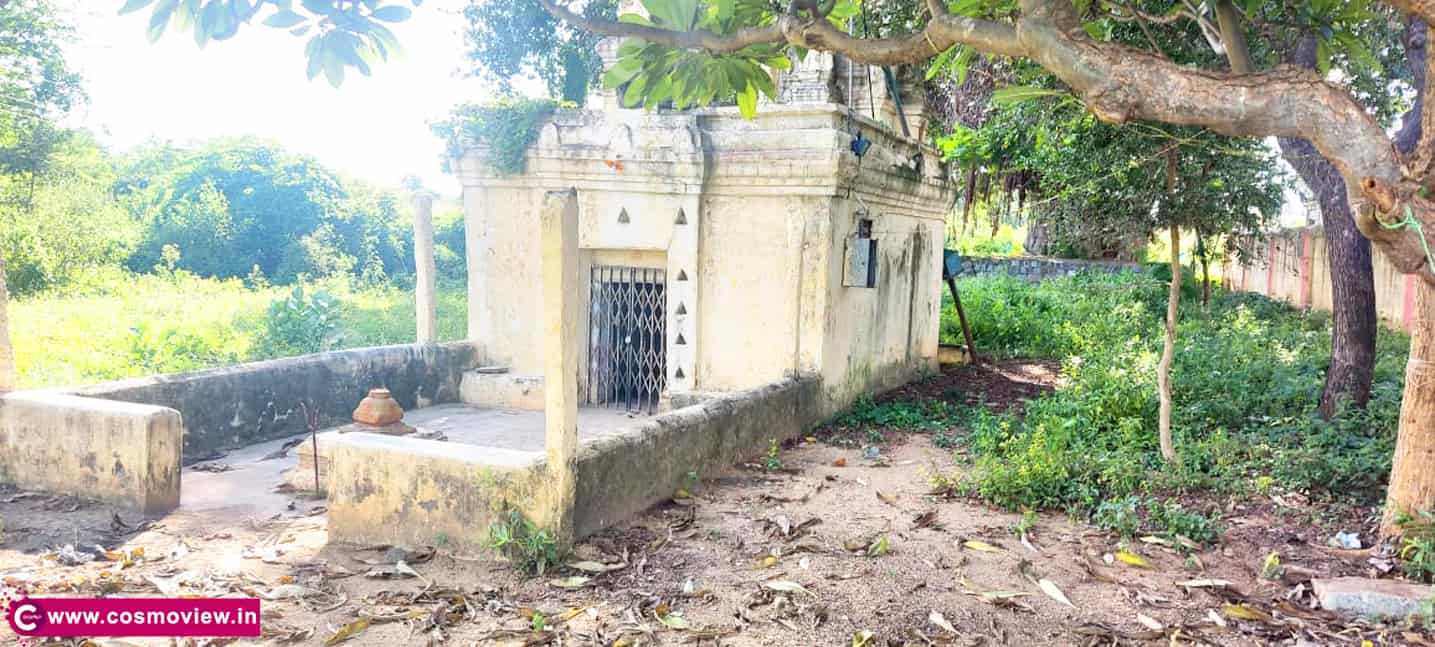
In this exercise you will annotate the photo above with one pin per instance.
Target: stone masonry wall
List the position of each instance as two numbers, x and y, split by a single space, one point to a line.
235 406
1037 268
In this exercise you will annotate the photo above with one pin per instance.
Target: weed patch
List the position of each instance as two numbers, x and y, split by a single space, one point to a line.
1247 376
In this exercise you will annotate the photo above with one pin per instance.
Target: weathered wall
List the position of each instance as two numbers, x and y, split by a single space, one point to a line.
749 218
118 452
750 286
1294 266
231 407
629 472
1036 268
880 338
389 489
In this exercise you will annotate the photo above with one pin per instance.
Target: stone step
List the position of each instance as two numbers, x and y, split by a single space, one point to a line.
499 389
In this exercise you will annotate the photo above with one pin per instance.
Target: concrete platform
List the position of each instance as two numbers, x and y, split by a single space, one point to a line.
515 429
517 432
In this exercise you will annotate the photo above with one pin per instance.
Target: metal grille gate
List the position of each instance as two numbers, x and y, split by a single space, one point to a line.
627 352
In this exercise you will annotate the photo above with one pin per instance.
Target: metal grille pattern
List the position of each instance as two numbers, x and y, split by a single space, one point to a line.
627 354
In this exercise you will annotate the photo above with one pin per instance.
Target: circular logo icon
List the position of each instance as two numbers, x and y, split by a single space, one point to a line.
25 617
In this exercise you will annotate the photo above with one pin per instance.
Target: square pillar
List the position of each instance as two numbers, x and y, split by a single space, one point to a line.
425 313
562 293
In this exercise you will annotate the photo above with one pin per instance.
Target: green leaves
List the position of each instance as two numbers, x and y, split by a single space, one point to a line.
134 5
651 75
1018 93
391 13
347 37
283 19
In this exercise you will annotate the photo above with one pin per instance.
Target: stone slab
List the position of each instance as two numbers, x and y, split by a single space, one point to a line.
1371 597
502 390
118 452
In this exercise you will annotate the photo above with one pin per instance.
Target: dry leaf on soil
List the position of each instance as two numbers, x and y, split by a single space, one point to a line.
973 544
1150 623
786 586
347 631
1052 591
1132 559
941 622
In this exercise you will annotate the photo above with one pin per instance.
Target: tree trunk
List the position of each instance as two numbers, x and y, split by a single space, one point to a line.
1412 479
1204 254
1352 277
1163 372
7 355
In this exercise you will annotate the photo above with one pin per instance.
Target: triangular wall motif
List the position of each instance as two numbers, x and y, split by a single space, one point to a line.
682 218
679 374
681 341
623 216
682 276
682 309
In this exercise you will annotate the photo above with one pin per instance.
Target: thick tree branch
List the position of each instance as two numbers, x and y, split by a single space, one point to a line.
942 32
1422 9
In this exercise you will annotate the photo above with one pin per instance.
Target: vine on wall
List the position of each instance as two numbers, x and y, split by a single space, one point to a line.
506 129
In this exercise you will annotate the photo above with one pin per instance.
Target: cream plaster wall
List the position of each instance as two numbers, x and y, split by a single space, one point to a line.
755 215
882 337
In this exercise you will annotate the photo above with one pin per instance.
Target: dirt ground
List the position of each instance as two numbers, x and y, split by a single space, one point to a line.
833 544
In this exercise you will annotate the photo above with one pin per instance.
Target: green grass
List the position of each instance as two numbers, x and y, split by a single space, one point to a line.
1246 376
114 325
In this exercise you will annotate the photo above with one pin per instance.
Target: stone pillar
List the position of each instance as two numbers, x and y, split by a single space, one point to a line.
682 298
475 233
425 313
562 292
7 355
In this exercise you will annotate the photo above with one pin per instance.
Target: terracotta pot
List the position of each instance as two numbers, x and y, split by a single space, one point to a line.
378 409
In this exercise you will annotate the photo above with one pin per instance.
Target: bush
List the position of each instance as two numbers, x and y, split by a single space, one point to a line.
299 323
1247 375
157 349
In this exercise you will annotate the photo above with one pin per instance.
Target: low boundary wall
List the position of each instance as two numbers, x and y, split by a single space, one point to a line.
1294 266
234 406
404 490
1037 268
117 452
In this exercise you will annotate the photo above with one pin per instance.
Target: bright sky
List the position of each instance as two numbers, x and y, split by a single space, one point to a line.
374 128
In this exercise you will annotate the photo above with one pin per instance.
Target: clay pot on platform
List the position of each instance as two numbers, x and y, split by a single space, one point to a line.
379 409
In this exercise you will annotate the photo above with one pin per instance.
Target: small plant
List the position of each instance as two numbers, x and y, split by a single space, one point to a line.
158 349
299 323
530 548
1417 545
1024 525
771 461
1119 516
1271 568
539 623
1176 521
